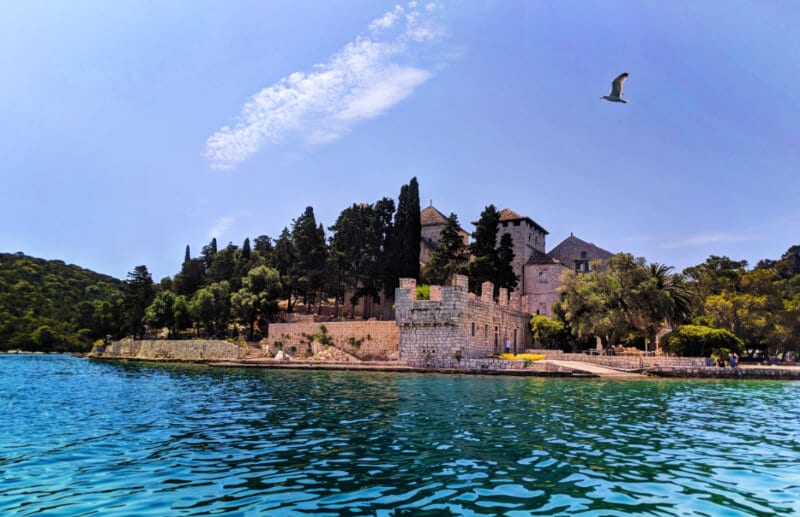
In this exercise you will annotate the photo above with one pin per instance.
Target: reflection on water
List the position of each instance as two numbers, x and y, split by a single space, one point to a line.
81 437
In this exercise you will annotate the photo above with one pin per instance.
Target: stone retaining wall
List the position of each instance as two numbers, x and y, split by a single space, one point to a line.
170 350
624 361
366 340
714 372
490 364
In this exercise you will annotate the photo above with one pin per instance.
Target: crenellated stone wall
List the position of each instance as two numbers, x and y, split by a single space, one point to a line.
170 350
366 340
455 326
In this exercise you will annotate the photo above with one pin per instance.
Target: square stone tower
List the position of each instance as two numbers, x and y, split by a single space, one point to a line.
528 237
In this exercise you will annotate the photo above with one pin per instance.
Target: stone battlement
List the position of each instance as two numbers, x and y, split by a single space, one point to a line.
454 325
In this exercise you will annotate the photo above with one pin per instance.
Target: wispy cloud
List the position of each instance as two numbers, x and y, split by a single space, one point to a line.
360 82
709 238
221 226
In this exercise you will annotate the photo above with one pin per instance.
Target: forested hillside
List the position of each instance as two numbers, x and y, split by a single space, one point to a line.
47 305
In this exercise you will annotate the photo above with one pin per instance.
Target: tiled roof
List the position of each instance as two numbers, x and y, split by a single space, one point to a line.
568 250
541 258
430 216
507 214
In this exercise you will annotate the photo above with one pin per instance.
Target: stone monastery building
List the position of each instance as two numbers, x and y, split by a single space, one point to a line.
538 270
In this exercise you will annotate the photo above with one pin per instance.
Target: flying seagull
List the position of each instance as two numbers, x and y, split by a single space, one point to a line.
615 95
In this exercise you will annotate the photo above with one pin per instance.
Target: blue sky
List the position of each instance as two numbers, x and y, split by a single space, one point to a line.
130 129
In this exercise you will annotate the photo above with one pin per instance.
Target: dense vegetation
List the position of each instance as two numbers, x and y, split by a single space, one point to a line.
51 306
719 304
47 305
223 289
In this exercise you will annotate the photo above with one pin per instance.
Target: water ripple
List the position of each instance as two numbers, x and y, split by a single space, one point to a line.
86 438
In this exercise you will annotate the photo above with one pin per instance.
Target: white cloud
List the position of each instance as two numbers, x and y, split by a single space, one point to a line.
360 82
221 226
387 21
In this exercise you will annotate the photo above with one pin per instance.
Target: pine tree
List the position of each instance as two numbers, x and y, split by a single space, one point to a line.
387 271
285 259
309 241
138 295
263 246
355 252
450 256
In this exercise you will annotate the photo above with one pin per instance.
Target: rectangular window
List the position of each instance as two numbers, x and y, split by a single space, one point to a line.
473 329
516 223
543 277
486 331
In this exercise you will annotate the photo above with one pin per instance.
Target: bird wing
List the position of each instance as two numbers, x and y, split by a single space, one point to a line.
616 85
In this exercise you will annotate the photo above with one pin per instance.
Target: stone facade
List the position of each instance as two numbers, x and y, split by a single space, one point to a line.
455 325
366 340
540 283
170 350
528 237
432 222
577 254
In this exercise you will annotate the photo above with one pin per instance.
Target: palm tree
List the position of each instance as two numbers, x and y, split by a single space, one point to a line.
676 298
677 292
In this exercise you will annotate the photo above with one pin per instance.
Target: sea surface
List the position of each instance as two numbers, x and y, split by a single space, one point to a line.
80 437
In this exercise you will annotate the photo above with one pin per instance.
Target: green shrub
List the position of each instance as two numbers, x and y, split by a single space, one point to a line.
700 341
322 337
423 292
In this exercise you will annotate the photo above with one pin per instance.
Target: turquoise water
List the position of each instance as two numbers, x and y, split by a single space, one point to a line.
79 437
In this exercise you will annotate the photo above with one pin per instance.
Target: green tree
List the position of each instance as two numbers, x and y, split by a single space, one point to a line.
263 246
257 297
699 341
138 295
309 241
548 332
505 276
211 308
46 339
450 256
408 229
208 253
286 258
355 251
386 232
223 267
483 266
161 312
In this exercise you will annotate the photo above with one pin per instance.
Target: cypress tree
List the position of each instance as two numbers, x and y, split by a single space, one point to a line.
208 253
484 264
246 250
187 256
505 259
408 229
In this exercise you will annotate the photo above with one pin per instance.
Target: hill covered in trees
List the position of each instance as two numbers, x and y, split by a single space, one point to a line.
49 306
